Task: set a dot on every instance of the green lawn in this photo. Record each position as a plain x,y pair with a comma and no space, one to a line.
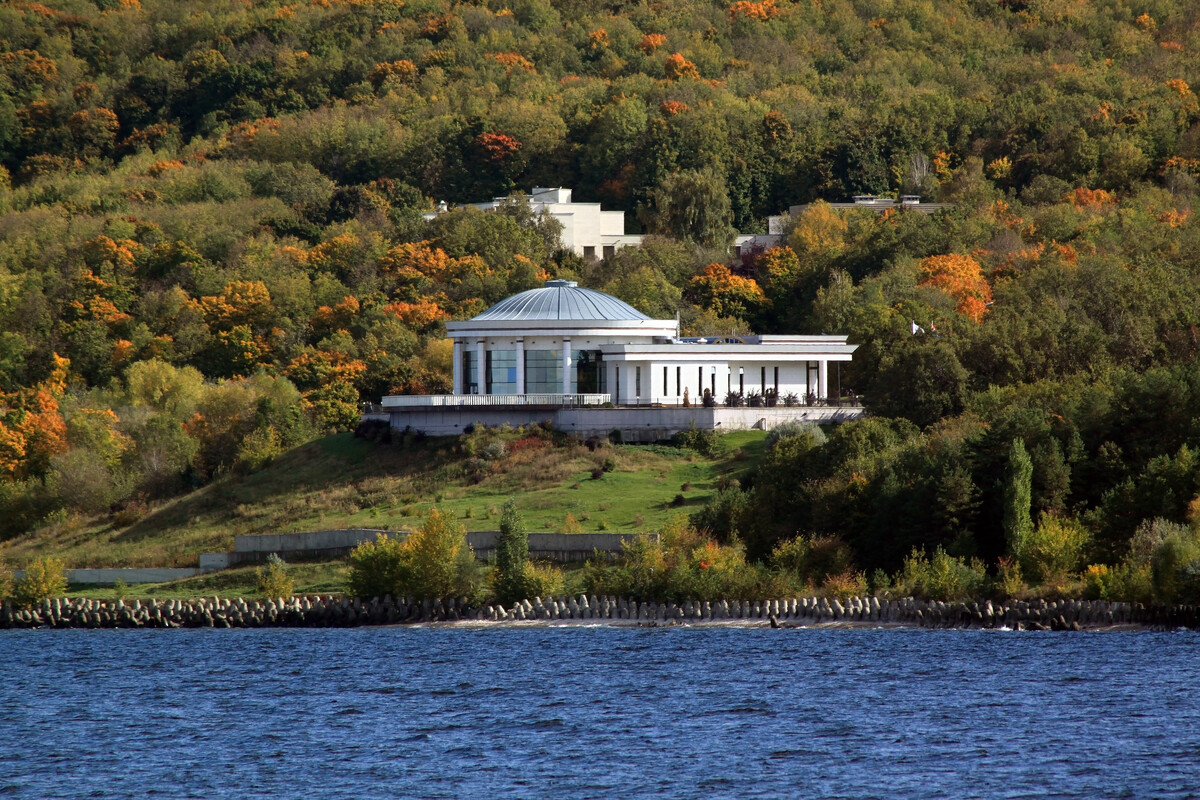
343,482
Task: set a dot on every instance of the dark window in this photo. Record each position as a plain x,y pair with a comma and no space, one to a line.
678,381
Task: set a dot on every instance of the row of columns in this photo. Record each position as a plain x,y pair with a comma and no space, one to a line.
460,379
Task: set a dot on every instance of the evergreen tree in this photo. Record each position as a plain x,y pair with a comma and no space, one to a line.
512,555
1018,498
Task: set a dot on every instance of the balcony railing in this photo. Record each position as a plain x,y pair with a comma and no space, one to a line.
493,400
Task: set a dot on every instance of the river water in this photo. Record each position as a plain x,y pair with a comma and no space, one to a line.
603,712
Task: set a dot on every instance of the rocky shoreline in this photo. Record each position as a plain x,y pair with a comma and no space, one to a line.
331,611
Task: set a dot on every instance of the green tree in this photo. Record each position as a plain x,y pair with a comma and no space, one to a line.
512,556
434,561
1018,499
692,205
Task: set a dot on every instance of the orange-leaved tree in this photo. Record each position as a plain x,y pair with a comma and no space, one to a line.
961,278
726,294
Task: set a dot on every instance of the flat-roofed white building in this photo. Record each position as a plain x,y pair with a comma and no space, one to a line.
562,346
587,230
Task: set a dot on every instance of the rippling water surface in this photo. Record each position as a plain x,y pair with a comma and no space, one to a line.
597,712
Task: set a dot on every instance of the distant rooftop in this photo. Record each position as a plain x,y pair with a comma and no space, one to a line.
870,202
561,300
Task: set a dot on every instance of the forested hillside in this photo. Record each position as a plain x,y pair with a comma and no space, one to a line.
211,246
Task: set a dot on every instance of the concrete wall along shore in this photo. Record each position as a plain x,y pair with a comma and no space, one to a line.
108,576
563,547
332,611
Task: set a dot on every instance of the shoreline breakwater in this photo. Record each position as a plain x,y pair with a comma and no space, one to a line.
332,611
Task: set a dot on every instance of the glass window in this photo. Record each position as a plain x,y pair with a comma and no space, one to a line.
470,379
589,371
502,371
543,372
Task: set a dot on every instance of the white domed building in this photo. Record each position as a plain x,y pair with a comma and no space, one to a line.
590,364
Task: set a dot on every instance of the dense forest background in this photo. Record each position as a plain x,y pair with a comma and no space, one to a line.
211,246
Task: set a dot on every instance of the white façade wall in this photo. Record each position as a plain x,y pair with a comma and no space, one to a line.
636,424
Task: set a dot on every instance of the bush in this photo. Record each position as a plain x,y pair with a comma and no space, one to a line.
794,428
684,564
1125,582
705,442
542,580
844,585
943,577
434,561
273,579
813,559
6,582
378,568
1010,583
44,578
1053,549
1174,567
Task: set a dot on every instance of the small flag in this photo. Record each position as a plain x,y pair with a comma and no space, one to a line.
916,328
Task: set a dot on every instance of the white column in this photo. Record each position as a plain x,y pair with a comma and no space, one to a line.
823,378
458,370
520,366
481,366
566,365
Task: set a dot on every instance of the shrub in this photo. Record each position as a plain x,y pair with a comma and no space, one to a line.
6,582
844,585
541,580
684,564
1009,581
377,568
794,428
705,442
1174,567
943,577
434,561
273,579
813,559
1053,549
44,578
1127,582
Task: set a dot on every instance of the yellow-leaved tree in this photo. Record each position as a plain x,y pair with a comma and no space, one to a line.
434,561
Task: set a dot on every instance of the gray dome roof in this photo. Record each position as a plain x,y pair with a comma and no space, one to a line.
561,300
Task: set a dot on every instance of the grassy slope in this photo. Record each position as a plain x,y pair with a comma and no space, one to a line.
343,482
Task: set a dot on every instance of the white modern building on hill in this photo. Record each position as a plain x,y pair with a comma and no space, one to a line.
587,230
591,363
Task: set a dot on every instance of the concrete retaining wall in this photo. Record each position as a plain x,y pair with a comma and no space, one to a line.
636,424
330,611
562,547
109,577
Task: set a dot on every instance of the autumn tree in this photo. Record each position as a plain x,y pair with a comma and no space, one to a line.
961,278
